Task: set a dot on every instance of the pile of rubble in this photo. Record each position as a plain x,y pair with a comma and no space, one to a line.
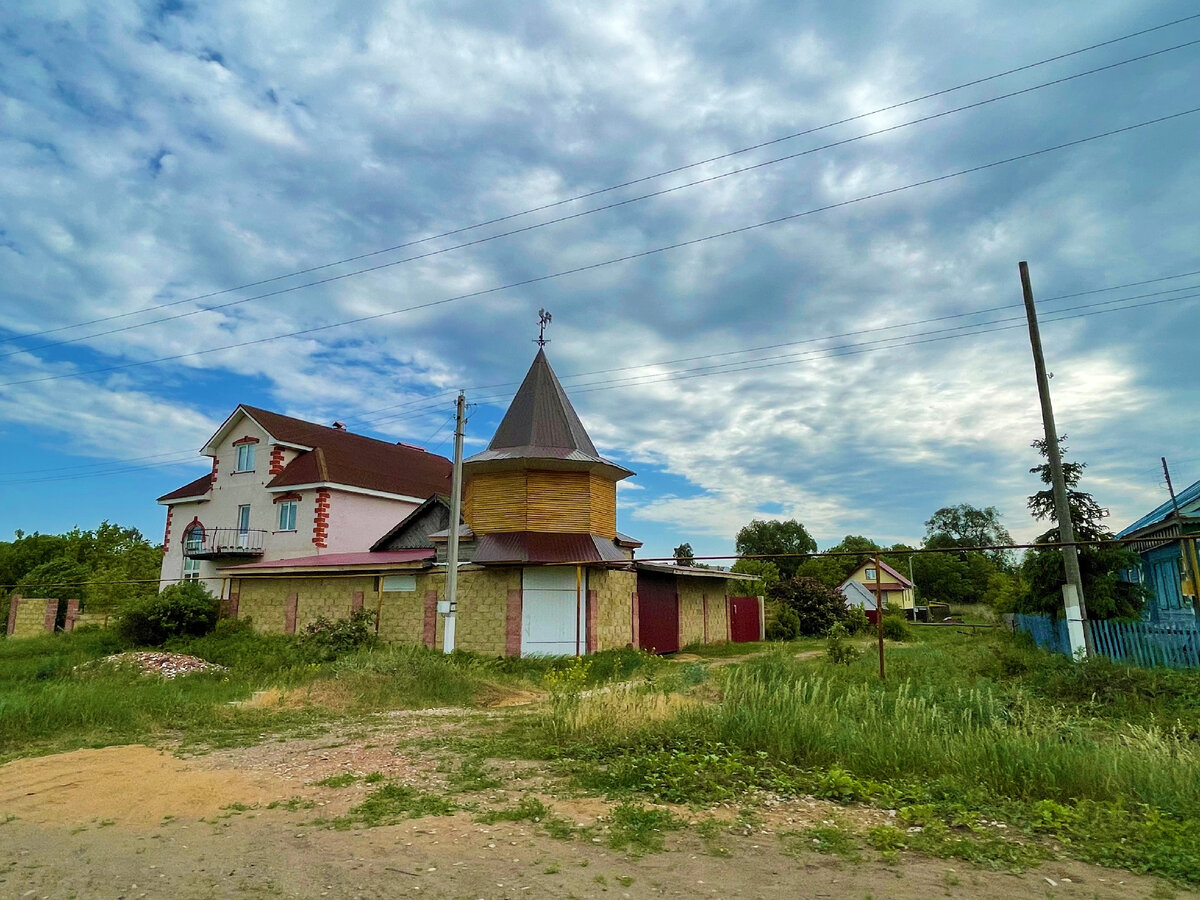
157,662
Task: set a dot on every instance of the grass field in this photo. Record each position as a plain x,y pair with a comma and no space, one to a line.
970,732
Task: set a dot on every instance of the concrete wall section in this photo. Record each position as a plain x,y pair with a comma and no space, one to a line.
703,610
27,616
614,591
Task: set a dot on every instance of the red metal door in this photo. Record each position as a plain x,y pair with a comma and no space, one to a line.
744,623
658,612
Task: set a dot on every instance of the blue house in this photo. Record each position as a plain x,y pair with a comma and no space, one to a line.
1164,567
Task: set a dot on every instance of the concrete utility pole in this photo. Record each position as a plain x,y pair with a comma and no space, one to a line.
1073,601
455,507
1188,547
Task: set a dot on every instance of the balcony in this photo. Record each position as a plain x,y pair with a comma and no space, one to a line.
218,542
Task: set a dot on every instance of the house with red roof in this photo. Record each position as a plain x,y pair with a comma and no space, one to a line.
896,589
282,488
542,568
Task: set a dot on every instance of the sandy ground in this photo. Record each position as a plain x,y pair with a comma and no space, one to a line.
132,822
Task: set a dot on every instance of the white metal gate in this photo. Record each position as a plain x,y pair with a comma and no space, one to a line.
553,622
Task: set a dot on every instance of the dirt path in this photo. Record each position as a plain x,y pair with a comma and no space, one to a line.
130,822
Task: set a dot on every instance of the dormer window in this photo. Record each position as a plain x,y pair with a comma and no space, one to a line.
245,458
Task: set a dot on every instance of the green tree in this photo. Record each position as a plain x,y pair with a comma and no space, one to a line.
815,605
1105,593
765,572
684,555
60,578
762,538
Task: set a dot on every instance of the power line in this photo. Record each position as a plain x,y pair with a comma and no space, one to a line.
770,362
624,184
616,204
370,416
626,258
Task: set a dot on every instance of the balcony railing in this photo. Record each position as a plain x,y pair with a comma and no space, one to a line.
224,542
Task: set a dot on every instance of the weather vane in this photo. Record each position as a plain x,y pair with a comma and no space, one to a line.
543,320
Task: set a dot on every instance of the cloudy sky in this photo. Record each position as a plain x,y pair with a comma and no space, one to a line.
161,159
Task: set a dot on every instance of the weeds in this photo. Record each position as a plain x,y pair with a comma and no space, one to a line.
393,803
639,828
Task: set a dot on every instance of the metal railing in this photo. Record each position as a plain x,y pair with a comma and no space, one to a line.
223,542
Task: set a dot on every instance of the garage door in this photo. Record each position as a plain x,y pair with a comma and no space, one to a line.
658,612
552,620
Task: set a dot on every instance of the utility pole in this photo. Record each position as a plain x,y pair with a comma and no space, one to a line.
879,615
1189,552
455,508
1073,600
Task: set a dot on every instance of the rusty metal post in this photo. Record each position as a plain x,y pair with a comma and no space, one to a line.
879,617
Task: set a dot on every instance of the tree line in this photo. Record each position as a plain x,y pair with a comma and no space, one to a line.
105,568
1030,582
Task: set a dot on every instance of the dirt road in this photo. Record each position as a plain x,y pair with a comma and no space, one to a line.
131,822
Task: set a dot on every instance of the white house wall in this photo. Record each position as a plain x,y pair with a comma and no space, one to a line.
355,521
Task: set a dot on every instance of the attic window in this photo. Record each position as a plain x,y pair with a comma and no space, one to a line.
245,458
870,574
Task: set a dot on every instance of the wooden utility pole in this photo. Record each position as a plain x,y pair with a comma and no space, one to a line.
455,507
1188,547
879,616
1062,509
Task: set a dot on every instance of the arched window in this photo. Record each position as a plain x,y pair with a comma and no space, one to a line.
193,539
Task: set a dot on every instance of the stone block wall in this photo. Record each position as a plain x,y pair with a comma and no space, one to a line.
614,600
27,616
265,601
692,604
482,609
401,614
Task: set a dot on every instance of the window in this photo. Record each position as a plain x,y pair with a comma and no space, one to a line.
191,568
287,515
399,582
245,459
871,574
193,540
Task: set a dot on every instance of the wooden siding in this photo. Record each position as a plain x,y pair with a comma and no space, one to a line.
552,502
559,502
603,506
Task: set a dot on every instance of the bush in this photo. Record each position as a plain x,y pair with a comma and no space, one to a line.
180,610
896,629
856,620
786,626
837,651
815,605
332,638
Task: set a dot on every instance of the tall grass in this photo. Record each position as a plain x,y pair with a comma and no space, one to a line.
962,741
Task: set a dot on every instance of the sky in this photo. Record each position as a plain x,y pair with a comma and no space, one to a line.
835,337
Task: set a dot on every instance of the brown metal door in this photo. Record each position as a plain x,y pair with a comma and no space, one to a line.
744,622
658,612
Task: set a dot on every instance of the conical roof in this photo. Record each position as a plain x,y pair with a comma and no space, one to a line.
541,424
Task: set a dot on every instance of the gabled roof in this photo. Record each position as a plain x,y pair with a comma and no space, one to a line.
193,490
1189,504
903,582
337,457
858,594
541,424
412,519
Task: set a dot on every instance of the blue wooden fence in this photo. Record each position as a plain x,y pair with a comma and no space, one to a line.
1140,643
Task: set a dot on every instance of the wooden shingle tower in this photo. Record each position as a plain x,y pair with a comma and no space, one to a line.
540,491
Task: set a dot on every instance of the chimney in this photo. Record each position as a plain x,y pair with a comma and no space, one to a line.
340,426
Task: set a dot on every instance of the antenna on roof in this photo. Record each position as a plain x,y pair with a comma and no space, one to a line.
543,320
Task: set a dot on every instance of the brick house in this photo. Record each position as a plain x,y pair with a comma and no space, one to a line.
282,488
542,566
